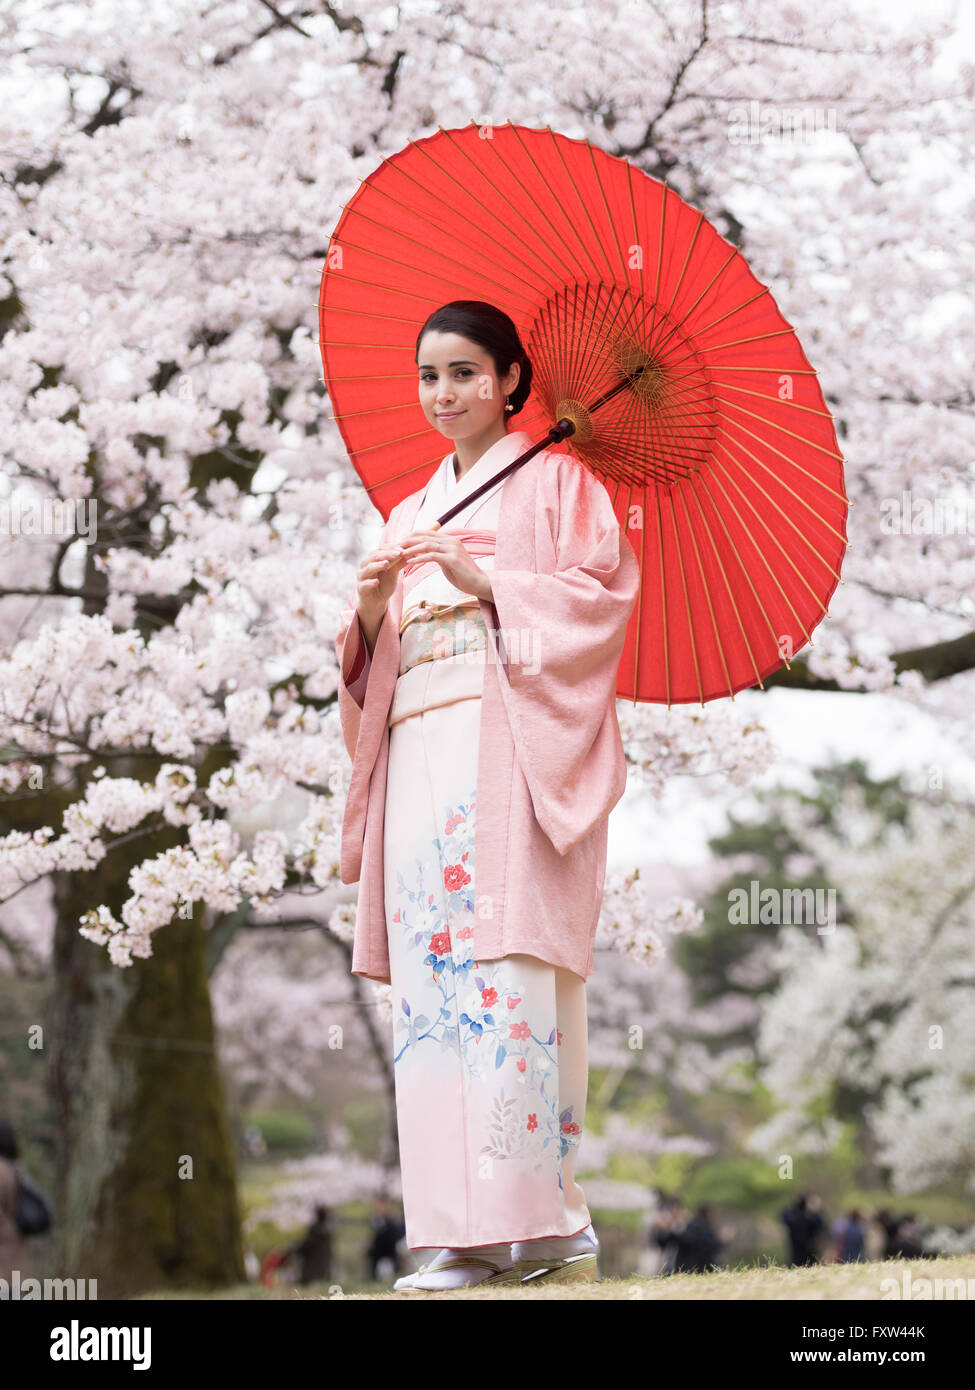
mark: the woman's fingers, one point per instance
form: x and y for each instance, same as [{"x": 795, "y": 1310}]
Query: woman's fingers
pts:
[
  {"x": 430, "y": 541},
  {"x": 371, "y": 565},
  {"x": 428, "y": 554},
  {"x": 424, "y": 543},
  {"x": 418, "y": 547},
  {"x": 385, "y": 552}
]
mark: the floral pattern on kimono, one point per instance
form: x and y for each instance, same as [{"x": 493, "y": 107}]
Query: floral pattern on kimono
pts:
[{"x": 476, "y": 1009}]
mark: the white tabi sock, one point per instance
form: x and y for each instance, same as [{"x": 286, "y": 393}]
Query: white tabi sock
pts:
[
  {"x": 499, "y": 1255},
  {"x": 555, "y": 1247}
]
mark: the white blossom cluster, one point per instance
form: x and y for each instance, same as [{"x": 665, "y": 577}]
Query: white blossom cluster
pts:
[
  {"x": 630, "y": 925},
  {"x": 882, "y": 1004}
]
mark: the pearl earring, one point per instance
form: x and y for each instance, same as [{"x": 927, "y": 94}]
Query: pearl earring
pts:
[{"x": 507, "y": 406}]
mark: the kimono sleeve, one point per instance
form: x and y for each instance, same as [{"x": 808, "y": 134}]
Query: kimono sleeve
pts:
[
  {"x": 355, "y": 662},
  {"x": 560, "y": 637}
]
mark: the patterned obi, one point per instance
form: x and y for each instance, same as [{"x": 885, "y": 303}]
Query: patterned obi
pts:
[
  {"x": 443, "y": 639},
  {"x": 438, "y": 620}
]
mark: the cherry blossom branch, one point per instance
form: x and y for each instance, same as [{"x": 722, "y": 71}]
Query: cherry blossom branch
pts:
[{"x": 938, "y": 662}]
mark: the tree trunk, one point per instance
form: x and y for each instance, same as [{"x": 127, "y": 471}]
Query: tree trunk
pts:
[{"x": 146, "y": 1184}]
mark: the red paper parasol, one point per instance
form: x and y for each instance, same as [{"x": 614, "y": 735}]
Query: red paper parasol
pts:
[{"x": 686, "y": 391}]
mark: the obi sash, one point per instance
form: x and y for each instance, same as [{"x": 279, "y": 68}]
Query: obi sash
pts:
[
  {"x": 431, "y": 685},
  {"x": 430, "y": 630}
]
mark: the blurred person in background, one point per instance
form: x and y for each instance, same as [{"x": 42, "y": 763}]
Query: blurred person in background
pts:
[
  {"x": 383, "y": 1258},
  {"x": 25, "y": 1208},
  {"x": 13, "y": 1248},
  {"x": 848, "y": 1239},
  {"x": 314, "y": 1251},
  {"x": 804, "y": 1226}
]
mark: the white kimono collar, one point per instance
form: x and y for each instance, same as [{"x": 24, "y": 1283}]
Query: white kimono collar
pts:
[{"x": 443, "y": 490}]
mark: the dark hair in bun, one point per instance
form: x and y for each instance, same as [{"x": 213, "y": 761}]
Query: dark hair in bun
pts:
[{"x": 492, "y": 329}]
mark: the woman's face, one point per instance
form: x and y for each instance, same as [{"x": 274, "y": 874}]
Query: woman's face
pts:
[{"x": 459, "y": 389}]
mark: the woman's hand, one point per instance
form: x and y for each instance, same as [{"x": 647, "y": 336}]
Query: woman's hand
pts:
[
  {"x": 449, "y": 553},
  {"x": 376, "y": 581}
]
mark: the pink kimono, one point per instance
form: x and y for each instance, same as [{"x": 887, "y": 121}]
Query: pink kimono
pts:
[
  {"x": 477, "y": 821},
  {"x": 551, "y": 764}
]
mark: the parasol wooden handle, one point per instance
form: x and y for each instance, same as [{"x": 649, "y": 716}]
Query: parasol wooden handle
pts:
[{"x": 555, "y": 435}]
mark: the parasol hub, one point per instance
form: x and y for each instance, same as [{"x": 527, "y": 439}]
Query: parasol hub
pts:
[{"x": 580, "y": 418}]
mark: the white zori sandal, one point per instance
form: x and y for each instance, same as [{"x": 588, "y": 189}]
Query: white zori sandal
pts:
[
  {"x": 426, "y": 1280},
  {"x": 565, "y": 1260},
  {"x": 574, "y": 1269}
]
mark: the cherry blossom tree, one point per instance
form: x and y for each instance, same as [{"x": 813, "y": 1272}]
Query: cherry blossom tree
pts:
[
  {"x": 872, "y": 1024},
  {"x": 182, "y": 527}
]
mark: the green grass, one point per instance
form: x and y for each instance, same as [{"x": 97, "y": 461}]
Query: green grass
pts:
[{"x": 772, "y": 1283}]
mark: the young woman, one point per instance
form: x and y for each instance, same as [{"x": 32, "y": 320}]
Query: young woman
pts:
[{"x": 477, "y": 694}]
